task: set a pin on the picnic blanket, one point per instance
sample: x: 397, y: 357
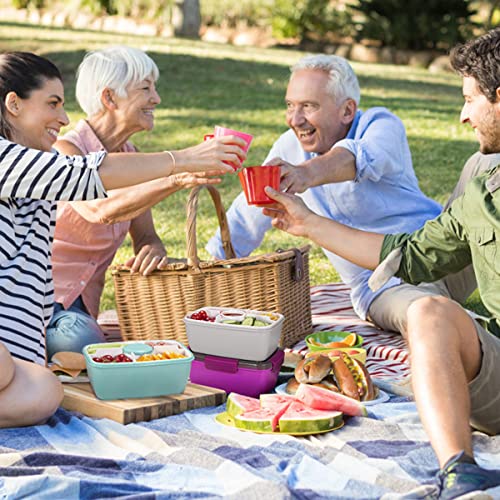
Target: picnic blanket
x: 192, y: 456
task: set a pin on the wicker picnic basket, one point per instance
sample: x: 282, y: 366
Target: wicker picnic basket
x: 153, y: 306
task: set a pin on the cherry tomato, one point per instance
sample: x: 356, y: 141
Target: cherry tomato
x: 122, y: 358
x: 97, y: 359
x: 201, y: 315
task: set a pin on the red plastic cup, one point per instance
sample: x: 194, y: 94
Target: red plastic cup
x: 254, y: 179
x: 221, y: 131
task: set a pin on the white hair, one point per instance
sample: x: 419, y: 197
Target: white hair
x: 114, y: 68
x: 343, y: 83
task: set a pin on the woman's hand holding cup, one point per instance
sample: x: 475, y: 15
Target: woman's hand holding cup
x: 217, y: 155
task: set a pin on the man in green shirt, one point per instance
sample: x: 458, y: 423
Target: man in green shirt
x: 455, y: 359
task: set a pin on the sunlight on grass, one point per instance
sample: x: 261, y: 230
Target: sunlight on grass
x: 205, y: 84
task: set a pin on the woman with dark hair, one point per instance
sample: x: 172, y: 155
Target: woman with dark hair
x: 32, y: 179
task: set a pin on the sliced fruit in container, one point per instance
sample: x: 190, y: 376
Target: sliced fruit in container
x: 332, y: 339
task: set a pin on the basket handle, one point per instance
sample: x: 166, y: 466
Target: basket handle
x: 192, y: 207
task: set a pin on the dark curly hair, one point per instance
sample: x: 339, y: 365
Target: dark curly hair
x: 22, y: 73
x: 480, y: 59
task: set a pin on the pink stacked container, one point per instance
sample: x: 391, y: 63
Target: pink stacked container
x: 232, y: 356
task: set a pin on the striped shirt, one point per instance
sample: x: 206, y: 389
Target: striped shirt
x: 31, y: 182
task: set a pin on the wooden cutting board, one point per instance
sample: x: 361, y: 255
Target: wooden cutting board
x: 81, y: 398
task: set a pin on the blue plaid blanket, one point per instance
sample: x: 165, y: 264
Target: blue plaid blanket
x: 193, y: 456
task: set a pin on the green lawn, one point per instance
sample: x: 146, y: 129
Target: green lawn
x: 206, y: 84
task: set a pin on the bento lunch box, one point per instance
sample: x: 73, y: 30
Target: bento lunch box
x: 138, y: 369
x: 250, y: 378
x: 242, y: 334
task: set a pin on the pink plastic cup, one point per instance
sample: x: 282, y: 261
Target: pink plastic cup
x: 254, y: 179
x: 221, y: 131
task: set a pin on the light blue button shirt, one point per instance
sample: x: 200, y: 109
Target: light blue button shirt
x: 383, y: 198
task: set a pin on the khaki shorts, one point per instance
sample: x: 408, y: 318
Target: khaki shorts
x: 485, y: 388
x: 388, y: 310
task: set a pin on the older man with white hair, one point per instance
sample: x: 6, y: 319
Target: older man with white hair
x: 351, y: 166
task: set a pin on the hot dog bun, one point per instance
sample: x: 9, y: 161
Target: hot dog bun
x: 313, y: 370
x: 369, y: 390
x: 345, y: 379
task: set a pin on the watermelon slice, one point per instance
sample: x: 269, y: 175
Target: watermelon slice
x: 323, y: 399
x: 237, y: 404
x: 263, y: 420
x: 271, y: 400
x: 299, y: 418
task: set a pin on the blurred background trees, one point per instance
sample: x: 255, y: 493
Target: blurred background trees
x: 401, y: 24
x: 414, y: 25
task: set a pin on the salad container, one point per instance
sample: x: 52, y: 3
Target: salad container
x: 242, y: 334
x: 138, y: 369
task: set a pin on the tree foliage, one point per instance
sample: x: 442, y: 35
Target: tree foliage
x: 309, y: 19
x: 413, y: 24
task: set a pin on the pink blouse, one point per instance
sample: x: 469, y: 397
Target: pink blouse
x: 82, y: 250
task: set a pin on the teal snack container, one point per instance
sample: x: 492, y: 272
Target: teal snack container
x: 137, y: 379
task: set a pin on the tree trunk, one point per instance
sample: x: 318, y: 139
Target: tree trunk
x: 186, y: 18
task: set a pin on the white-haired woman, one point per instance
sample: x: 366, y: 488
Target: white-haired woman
x: 116, y: 90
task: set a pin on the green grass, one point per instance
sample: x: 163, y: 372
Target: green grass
x: 204, y: 84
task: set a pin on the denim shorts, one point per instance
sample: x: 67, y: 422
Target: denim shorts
x: 71, y: 329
